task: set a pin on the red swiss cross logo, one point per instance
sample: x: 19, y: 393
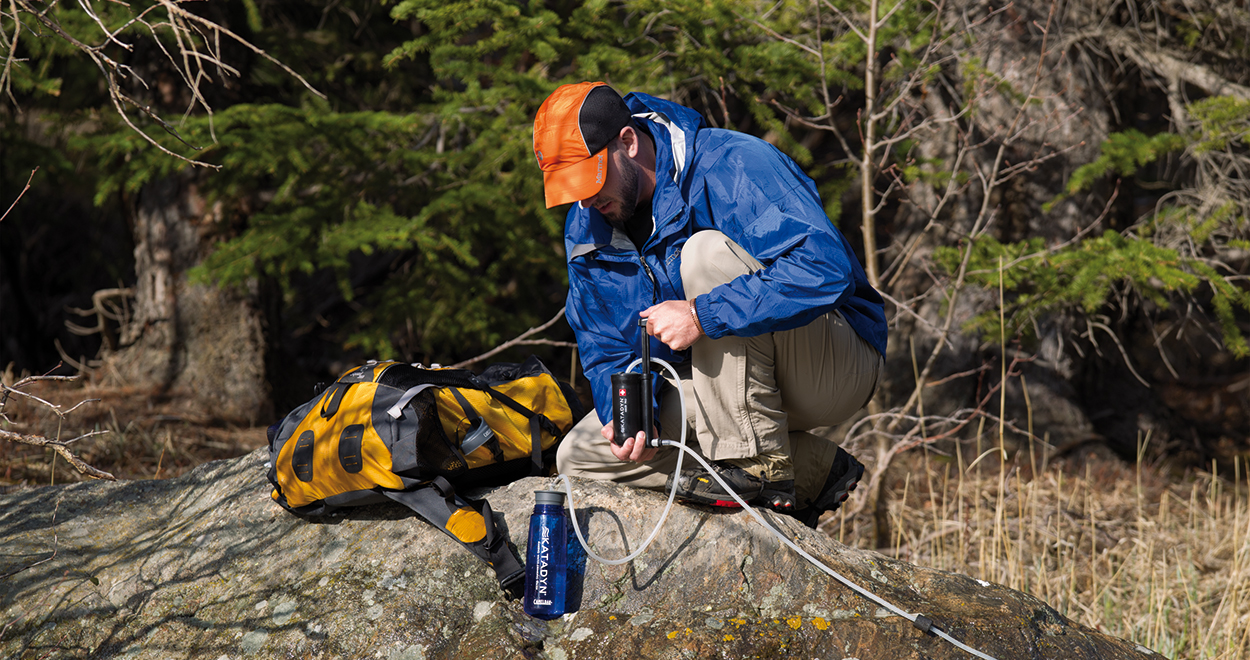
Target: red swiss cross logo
x: 620, y: 392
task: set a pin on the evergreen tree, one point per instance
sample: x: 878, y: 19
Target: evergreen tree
x: 404, y: 206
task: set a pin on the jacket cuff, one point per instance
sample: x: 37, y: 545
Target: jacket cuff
x: 712, y: 326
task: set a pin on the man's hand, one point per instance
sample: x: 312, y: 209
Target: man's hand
x: 635, y: 449
x: 672, y: 323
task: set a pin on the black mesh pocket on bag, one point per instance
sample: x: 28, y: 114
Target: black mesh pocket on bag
x: 420, y: 449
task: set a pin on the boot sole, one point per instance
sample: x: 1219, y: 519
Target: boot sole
x: 693, y: 495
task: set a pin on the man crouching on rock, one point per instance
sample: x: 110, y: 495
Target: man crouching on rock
x: 721, y: 243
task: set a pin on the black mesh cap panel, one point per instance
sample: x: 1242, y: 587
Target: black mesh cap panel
x: 602, y: 117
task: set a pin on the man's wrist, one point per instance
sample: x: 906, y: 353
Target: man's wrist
x: 694, y: 314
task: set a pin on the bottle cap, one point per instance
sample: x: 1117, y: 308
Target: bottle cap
x: 549, y: 497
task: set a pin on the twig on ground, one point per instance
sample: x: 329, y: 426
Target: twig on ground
x: 60, y: 447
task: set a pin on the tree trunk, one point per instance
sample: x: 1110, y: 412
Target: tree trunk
x: 198, y: 345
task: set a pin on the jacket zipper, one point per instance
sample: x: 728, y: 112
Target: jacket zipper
x: 655, y: 284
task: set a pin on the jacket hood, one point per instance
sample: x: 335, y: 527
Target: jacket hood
x: 672, y: 127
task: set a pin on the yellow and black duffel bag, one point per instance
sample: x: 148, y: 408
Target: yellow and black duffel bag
x: 393, y: 431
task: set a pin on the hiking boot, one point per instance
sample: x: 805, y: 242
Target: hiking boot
x: 778, y: 496
x: 844, y: 476
x: 696, y: 485
x: 776, y: 472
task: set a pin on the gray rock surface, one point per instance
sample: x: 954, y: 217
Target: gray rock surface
x: 207, y: 566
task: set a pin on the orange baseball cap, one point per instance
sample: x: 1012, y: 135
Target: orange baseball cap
x: 572, y: 131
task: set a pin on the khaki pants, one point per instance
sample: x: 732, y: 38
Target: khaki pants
x: 744, y: 395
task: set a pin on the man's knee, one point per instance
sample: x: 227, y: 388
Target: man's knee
x: 562, y: 458
x: 709, y: 258
x: 702, y: 248
x: 578, y: 444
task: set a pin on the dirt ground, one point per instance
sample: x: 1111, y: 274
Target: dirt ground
x: 136, y: 434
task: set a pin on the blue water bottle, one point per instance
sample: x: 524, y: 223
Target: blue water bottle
x: 545, y: 558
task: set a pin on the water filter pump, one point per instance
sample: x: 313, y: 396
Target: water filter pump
x: 631, y: 397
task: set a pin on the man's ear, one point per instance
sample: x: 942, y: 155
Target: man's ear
x: 629, y: 140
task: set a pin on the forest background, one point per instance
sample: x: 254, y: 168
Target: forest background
x: 211, y: 207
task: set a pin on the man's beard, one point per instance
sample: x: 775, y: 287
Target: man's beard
x: 628, y: 201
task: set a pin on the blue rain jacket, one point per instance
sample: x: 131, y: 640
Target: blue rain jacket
x: 709, y: 178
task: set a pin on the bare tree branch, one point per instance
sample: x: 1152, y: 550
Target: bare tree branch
x: 522, y: 340
x: 57, y: 445
x: 1162, y: 62
x: 19, y: 195
x: 989, y: 179
x: 192, y: 35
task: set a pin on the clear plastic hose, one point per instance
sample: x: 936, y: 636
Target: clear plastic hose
x: 681, y: 445
x: 568, y: 488
x: 816, y: 562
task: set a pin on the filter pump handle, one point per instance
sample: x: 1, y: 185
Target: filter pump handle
x: 646, y: 381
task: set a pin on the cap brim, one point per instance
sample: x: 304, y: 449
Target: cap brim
x: 576, y: 181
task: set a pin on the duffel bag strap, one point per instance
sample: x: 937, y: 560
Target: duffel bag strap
x: 333, y: 398
x: 470, y: 523
x: 547, y: 425
x: 479, y: 432
x: 536, y: 446
x: 396, y: 411
x: 538, y: 423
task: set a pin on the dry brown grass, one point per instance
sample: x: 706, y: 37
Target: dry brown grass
x: 1163, y: 561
